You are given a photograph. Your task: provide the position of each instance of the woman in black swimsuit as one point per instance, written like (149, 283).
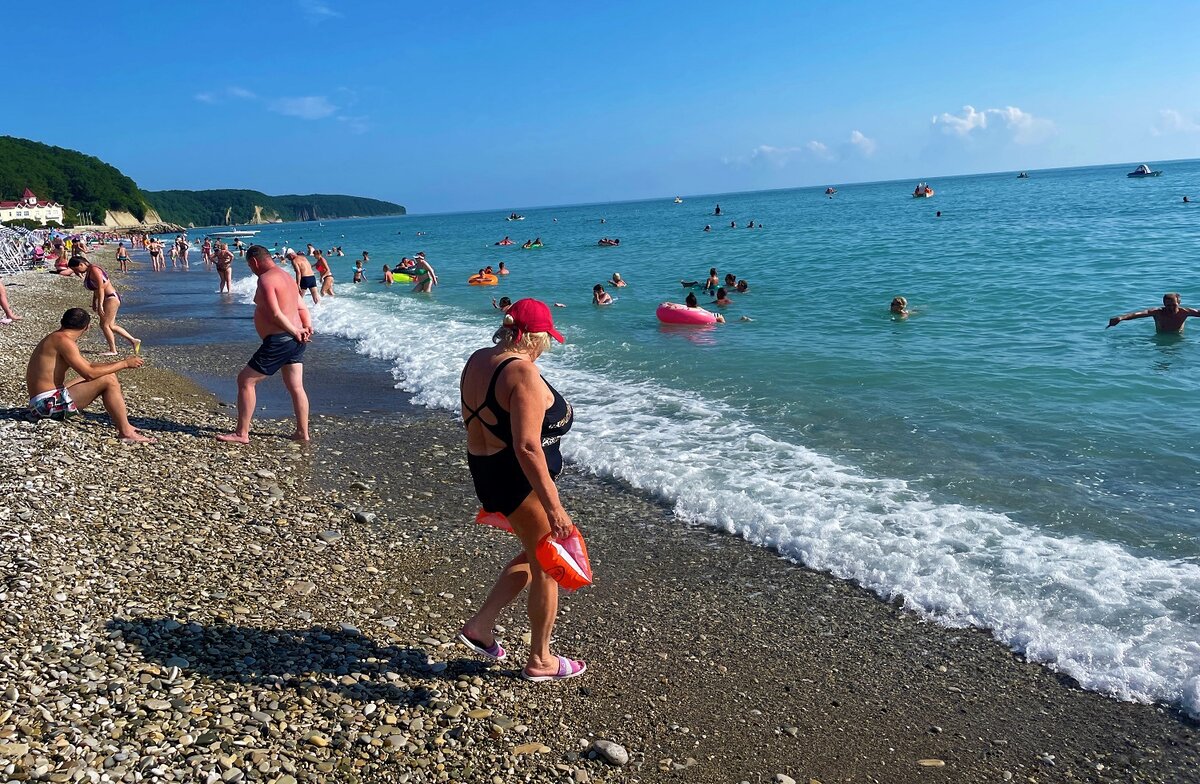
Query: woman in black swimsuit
(514, 420)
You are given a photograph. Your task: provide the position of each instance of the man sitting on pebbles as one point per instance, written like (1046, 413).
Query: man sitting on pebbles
(50, 397)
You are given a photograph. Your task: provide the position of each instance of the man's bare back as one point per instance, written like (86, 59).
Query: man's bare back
(267, 320)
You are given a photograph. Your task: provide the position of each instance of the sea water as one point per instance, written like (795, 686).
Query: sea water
(999, 459)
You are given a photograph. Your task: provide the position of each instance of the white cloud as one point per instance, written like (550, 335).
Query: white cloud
(1023, 127)
(218, 96)
(309, 107)
(1173, 121)
(819, 149)
(317, 11)
(865, 145)
(355, 124)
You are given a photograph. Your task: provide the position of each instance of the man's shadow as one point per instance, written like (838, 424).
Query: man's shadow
(156, 424)
(291, 658)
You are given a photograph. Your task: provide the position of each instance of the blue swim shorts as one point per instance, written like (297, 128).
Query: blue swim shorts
(275, 352)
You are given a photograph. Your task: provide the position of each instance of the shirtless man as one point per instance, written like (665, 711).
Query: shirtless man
(50, 397)
(1168, 318)
(281, 320)
(306, 279)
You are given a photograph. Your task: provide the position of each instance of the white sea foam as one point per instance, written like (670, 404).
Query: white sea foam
(1118, 623)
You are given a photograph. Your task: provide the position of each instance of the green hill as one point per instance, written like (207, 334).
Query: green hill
(221, 207)
(81, 183)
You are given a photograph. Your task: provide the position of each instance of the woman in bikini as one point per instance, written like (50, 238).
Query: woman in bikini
(224, 261)
(322, 268)
(105, 302)
(514, 420)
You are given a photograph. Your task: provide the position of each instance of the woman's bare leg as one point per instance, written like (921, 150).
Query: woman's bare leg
(110, 315)
(513, 579)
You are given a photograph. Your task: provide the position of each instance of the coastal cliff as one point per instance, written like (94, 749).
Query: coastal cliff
(230, 207)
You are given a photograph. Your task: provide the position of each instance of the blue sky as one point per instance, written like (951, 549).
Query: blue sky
(461, 106)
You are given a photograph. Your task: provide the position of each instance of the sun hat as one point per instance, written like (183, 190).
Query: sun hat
(531, 315)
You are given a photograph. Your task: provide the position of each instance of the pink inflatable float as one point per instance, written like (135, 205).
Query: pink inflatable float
(674, 313)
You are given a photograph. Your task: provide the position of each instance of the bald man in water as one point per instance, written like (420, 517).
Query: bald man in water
(1169, 318)
(282, 322)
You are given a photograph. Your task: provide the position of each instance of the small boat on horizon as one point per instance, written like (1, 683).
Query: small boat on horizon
(679, 200)
(232, 234)
(922, 191)
(830, 191)
(514, 217)
(1144, 171)
(1023, 176)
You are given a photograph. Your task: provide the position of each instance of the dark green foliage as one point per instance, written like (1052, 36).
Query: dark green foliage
(209, 208)
(82, 183)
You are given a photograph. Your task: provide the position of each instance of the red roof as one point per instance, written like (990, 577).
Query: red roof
(28, 194)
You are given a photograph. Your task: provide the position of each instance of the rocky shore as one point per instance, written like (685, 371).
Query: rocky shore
(192, 611)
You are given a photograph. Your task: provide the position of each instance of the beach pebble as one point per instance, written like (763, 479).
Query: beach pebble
(783, 778)
(329, 537)
(931, 763)
(612, 753)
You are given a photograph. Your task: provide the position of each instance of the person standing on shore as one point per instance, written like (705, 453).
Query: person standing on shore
(282, 322)
(206, 251)
(514, 421)
(224, 262)
(50, 397)
(305, 279)
(122, 257)
(105, 302)
(1169, 318)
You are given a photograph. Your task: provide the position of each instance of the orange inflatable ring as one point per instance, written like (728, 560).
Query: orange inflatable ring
(565, 560)
(483, 280)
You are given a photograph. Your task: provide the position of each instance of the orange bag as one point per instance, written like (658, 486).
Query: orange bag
(565, 560)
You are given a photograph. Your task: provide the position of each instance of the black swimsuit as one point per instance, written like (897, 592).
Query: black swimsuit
(500, 482)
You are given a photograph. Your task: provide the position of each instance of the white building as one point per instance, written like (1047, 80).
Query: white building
(31, 208)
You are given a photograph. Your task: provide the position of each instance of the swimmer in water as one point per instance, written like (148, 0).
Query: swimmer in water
(618, 281)
(387, 276)
(1169, 318)
(503, 270)
(707, 227)
(600, 296)
(722, 297)
(503, 305)
(899, 307)
(743, 286)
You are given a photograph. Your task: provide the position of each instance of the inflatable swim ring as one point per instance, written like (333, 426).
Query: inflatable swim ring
(401, 277)
(565, 560)
(674, 313)
(483, 280)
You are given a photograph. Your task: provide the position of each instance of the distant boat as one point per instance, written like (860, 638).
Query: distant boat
(1143, 171)
(830, 191)
(232, 234)
(1023, 176)
(515, 217)
(679, 200)
(922, 191)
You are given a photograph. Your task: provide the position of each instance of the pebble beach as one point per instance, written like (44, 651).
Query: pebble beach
(193, 611)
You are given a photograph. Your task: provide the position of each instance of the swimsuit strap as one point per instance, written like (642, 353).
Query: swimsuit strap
(490, 402)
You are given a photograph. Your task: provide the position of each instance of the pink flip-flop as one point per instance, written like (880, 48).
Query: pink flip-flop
(567, 668)
(494, 651)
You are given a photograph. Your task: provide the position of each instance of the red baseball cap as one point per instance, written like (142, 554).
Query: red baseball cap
(531, 315)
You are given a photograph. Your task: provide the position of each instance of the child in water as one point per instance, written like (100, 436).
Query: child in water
(358, 272)
(899, 308)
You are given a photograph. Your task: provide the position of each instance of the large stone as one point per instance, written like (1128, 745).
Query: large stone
(612, 753)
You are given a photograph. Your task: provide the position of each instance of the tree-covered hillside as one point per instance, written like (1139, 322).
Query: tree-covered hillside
(81, 183)
(218, 207)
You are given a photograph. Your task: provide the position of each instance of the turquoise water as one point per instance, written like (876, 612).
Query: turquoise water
(998, 459)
